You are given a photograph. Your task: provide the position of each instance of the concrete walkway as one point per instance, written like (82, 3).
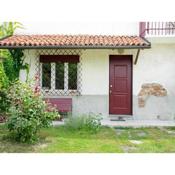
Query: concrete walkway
(131, 123)
(138, 123)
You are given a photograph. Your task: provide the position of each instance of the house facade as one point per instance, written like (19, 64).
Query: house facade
(128, 76)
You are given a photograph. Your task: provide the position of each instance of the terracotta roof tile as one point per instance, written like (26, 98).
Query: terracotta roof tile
(72, 41)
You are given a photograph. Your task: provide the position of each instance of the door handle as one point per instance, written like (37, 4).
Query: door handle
(110, 91)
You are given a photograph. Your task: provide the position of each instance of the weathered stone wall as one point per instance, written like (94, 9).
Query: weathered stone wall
(148, 89)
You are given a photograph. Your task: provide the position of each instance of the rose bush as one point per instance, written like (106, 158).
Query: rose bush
(28, 113)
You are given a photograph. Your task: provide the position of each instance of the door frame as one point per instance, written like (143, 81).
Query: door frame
(131, 58)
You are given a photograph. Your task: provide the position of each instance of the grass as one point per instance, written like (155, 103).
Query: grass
(107, 140)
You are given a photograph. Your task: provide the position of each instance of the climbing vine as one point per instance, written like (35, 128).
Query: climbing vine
(12, 63)
(18, 61)
(13, 60)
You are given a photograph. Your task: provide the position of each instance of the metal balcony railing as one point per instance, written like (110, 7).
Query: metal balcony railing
(157, 29)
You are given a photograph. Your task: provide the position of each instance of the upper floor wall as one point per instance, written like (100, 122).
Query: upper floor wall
(155, 32)
(91, 28)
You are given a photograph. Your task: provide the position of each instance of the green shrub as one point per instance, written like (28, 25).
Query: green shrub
(8, 63)
(28, 113)
(4, 102)
(3, 91)
(3, 77)
(89, 122)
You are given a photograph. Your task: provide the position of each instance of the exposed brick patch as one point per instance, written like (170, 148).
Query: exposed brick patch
(150, 89)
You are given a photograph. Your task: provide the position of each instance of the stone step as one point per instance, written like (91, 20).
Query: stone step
(120, 117)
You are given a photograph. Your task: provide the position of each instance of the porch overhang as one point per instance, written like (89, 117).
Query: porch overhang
(73, 42)
(75, 47)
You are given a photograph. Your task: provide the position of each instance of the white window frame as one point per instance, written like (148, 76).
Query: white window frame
(53, 90)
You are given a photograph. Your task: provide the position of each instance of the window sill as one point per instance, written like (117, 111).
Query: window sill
(60, 92)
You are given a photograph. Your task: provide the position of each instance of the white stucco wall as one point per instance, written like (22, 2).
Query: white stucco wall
(95, 74)
(94, 28)
(95, 68)
(31, 60)
(154, 65)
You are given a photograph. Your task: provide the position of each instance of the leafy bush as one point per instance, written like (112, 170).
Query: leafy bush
(4, 103)
(8, 28)
(3, 90)
(13, 58)
(13, 62)
(89, 122)
(8, 63)
(28, 113)
(3, 78)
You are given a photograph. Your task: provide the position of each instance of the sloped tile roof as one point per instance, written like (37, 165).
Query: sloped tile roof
(84, 41)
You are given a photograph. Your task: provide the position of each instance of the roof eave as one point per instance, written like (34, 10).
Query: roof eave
(76, 47)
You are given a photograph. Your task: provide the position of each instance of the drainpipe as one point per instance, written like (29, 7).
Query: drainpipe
(137, 56)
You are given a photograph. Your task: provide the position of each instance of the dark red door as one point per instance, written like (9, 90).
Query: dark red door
(120, 84)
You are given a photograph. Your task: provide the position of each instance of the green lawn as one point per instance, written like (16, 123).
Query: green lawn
(107, 140)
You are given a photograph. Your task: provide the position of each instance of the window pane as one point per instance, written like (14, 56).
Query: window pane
(59, 75)
(46, 75)
(72, 74)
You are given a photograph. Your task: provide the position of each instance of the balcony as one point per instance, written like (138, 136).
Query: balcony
(157, 29)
